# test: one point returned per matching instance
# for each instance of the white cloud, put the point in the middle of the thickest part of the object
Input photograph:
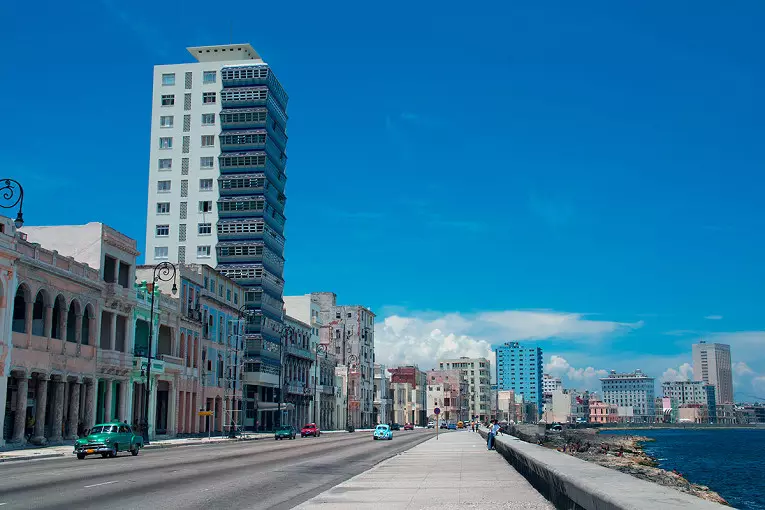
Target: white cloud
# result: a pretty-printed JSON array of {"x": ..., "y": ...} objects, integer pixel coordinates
[
  {"x": 683, "y": 373},
  {"x": 582, "y": 378},
  {"x": 713, "y": 317},
  {"x": 741, "y": 369},
  {"x": 542, "y": 324},
  {"x": 423, "y": 338}
]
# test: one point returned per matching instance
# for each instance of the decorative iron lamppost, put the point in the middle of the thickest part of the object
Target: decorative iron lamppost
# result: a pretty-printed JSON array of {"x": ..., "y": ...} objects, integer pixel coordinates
[
  {"x": 286, "y": 330},
  {"x": 352, "y": 364},
  {"x": 9, "y": 189},
  {"x": 319, "y": 348},
  {"x": 164, "y": 271}
]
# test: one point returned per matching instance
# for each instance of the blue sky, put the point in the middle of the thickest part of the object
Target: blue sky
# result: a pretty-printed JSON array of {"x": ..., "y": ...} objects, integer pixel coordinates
[{"x": 599, "y": 163}]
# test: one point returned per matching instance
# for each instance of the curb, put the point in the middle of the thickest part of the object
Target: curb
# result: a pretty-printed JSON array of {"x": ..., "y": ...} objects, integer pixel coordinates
[
  {"x": 152, "y": 446},
  {"x": 32, "y": 457}
]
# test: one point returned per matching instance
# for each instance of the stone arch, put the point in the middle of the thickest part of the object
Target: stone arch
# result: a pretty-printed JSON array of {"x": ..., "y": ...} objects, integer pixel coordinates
[
  {"x": 74, "y": 311},
  {"x": 59, "y": 315},
  {"x": 42, "y": 300},
  {"x": 87, "y": 316},
  {"x": 20, "y": 300}
]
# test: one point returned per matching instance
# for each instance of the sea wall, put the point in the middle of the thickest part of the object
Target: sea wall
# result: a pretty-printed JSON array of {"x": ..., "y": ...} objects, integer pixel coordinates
[{"x": 574, "y": 484}]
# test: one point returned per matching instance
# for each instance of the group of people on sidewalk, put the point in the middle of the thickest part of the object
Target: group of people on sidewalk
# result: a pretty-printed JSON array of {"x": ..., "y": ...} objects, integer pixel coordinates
[{"x": 494, "y": 429}]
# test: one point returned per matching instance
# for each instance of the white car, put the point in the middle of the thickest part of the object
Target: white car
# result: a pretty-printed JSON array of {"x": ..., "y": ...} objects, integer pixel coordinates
[{"x": 431, "y": 424}]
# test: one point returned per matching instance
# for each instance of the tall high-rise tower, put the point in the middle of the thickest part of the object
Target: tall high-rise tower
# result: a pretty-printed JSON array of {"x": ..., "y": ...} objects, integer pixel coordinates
[
  {"x": 520, "y": 368},
  {"x": 711, "y": 364},
  {"x": 216, "y": 188}
]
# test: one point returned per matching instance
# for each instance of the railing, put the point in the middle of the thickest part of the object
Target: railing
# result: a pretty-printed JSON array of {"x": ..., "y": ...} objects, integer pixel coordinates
[
  {"x": 175, "y": 360},
  {"x": 299, "y": 352}
]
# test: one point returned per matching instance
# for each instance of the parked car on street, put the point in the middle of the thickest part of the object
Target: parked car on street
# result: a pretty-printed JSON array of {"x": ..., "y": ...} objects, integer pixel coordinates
[
  {"x": 382, "y": 432},
  {"x": 310, "y": 429},
  {"x": 395, "y": 426},
  {"x": 408, "y": 426},
  {"x": 431, "y": 424},
  {"x": 444, "y": 425},
  {"x": 460, "y": 424},
  {"x": 108, "y": 439},
  {"x": 285, "y": 432},
  {"x": 452, "y": 426}
]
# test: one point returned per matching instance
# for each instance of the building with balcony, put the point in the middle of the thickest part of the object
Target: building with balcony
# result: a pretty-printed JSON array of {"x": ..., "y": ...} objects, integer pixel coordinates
[
  {"x": 349, "y": 332},
  {"x": 382, "y": 404},
  {"x": 416, "y": 404},
  {"x": 477, "y": 371},
  {"x": 217, "y": 188},
  {"x": 520, "y": 368},
  {"x": 297, "y": 362}
]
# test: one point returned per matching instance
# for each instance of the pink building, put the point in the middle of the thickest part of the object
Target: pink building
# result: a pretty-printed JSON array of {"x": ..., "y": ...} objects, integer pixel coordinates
[
  {"x": 448, "y": 390},
  {"x": 600, "y": 412}
]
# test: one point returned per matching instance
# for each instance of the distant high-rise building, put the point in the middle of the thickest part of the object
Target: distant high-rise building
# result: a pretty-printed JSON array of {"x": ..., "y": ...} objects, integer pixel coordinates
[
  {"x": 633, "y": 390},
  {"x": 477, "y": 371},
  {"x": 520, "y": 368},
  {"x": 711, "y": 364}
]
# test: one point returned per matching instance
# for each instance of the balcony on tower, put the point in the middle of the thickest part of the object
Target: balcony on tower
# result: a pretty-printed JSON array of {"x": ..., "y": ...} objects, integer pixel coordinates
[
  {"x": 253, "y": 274},
  {"x": 232, "y": 252},
  {"x": 256, "y": 74},
  {"x": 253, "y": 139},
  {"x": 241, "y": 207},
  {"x": 257, "y": 298},
  {"x": 242, "y": 229},
  {"x": 255, "y": 118}
]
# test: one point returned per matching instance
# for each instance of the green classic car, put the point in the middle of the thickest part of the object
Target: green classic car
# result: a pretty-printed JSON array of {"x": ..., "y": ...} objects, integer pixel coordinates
[
  {"x": 285, "y": 432},
  {"x": 108, "y": 439}
]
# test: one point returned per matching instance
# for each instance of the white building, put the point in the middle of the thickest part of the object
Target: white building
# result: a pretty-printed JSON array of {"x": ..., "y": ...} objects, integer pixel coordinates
[
  {"x": 685, "y": 392},
  {"x": 711, "y": 364},
  {"x": 477, "y": 371},
  {"x": 550, "y": 384},
  {"x": 382, "y": 403},
  {"x": 634, "y": 390}
]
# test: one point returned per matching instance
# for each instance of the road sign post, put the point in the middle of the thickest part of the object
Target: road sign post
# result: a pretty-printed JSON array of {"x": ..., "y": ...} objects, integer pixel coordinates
[
  {"x": 210, "y": 422},
  {"x": 437, "y": 411}
]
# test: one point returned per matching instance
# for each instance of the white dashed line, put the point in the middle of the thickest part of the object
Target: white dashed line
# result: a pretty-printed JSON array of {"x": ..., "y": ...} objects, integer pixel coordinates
[{"x": 97, "y": 484}]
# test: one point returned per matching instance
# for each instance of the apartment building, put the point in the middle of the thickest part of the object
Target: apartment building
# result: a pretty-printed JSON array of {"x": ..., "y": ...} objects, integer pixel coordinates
[
  {"x": 448, "y": 390},
  {"x": 216, "y": 186},
  {"x": 520, "y": 369},
  {"x": 349, "y": 332},
  {"x": 477, "y": 372}
]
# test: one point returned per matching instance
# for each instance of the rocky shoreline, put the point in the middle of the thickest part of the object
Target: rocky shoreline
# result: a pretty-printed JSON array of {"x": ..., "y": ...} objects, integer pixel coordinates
[{"x": 625, "y": 454}]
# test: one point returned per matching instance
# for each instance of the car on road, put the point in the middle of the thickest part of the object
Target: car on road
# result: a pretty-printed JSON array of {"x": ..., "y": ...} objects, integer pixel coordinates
[
  {"x": 395, "y": 426},
  {"x": 460, "y": 424},
  {"x": 444, "y": 425},
  {"x": 431, "y": 424},
  {"x": 108, "y": 439},
  {"x": 452, "y": 426},
  {"x": 285, "y": 432},
  {"x": 408, "y": 426},
  {"x": 310, "y": 429},
  {"x": 382, "y": 432}
]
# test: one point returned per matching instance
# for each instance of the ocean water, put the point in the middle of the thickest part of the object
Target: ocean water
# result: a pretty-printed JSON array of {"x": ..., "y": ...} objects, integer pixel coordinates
[{"x": 731, "y": 462}]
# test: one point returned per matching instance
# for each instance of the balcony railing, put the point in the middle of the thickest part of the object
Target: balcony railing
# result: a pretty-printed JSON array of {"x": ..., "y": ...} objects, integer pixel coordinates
[{"x": 299, "y": 352}]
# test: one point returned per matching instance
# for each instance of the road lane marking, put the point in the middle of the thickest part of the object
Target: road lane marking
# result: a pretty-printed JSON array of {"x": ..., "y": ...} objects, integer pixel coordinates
[{"x": 97, "y": 484}]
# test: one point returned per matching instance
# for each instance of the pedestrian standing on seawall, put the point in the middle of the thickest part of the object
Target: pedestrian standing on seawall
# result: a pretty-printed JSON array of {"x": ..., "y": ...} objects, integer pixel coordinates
[{"x": 493, "y": 431}]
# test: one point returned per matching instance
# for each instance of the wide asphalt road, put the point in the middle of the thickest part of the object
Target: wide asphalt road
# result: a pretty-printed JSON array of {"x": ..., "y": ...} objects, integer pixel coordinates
[{"x": 246, "y": 474}]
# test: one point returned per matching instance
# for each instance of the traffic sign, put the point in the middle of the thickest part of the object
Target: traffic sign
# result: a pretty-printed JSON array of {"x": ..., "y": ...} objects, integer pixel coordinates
[
  {"x": 437, "y": 411},
  {"x": 205, "y": 413}
]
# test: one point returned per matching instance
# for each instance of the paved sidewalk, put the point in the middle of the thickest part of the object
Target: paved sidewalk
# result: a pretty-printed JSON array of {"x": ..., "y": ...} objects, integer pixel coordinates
[
  {"x": 49, "y": 452},
  {"x": 454, "y": 471}
]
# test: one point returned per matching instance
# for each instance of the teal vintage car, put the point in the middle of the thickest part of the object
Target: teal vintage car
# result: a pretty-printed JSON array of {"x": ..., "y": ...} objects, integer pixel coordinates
[
  {"x": 108, "y": 439},
  {"x": 382, "y": 432}
]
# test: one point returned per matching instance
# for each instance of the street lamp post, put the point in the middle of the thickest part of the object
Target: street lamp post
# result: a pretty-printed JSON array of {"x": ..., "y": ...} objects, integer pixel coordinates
[
  {"x": 351, "y": 362},
  {"x": 9, "y": 190},
  {"x": 164, "y": 271},
  {"x": 243, "y": 312},
  {"x": 286, "y": 330},
  {"x": 319, "y": 348}
]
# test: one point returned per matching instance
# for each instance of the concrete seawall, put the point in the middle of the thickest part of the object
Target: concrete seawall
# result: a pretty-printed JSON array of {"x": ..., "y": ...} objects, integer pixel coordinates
[{"x": 574, "y": 484}]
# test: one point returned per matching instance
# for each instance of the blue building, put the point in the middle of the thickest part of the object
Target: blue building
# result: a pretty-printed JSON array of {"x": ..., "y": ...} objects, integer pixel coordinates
[
  {"x": 250, "y": 247},
  {"x": 520, "y": 369}
]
